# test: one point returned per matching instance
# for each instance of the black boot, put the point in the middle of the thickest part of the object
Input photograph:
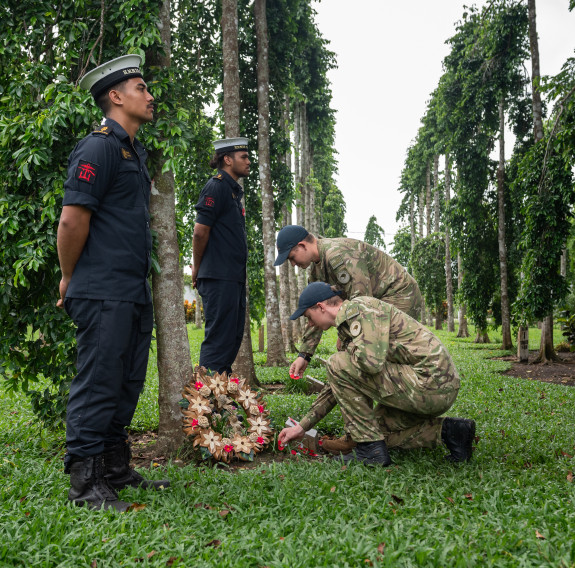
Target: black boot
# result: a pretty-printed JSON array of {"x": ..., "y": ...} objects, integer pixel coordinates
[
  {"x": 369, "y": 453},
  {"x": 89, "y": 487},
  {"x": 458, "y": 434},
  {"x": 120, "y": 474}
]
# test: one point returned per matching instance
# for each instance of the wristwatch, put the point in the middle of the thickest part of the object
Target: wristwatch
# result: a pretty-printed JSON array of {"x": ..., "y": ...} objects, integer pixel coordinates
[{"x": 306, "y": 356}]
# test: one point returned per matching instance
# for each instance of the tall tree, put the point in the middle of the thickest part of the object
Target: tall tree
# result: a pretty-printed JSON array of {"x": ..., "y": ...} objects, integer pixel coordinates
[
  {"x": 275, "y": 350},
  {"x": 374, "y": 233}
]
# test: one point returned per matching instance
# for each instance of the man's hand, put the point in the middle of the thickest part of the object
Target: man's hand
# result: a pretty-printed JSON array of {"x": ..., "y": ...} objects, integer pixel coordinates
[
  {"x": 63, "y": 289},
  {"x": 298, "y": 367},
  {"x": 194, "y": 276},
  {"x": 291, "y": 433}
]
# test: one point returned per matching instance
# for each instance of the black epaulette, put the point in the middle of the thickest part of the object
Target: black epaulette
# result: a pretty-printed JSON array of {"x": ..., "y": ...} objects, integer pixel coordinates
[
  {"x": 102, "y": 130},
  {"x": 218, "y": 176}
]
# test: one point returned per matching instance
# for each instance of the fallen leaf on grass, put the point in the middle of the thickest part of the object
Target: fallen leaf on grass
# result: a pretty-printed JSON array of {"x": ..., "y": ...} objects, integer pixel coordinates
[
  {"x": 215, "y": 543},
  {"x": 173, "y": 559},
  {"x": 397, "y": 499},
  {"x": 570, "y": 477},
  {"x": 565, "y": 454},
  {"x": 224, "y": 513},
  {"x": 136, "y": 507},
  {"x": 451, "y": 500},
  {"x": 539, "y": 535},
  {"x": 202, "y": 506},
  {"x": 343, "y": 467},
  {"x": 150, "y": 554},
  {"x": 368, "y": 562},
  {"x": 381, "y": 547},
  {"x": 93, "y": 564},
  {"x": 469, "y": 496},
  {"x": 332, "y": 490}
]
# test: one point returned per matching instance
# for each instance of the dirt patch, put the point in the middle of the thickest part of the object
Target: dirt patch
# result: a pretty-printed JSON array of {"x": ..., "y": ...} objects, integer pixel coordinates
[{"x": 561, "y": 372}]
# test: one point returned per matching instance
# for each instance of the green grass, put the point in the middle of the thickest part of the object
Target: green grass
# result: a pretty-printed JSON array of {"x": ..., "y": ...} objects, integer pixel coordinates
[{"x": 419, "y": 512}]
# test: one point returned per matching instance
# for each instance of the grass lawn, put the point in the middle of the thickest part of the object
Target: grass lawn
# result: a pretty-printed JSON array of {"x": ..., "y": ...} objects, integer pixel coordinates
[{"x": 513, "y": 505}]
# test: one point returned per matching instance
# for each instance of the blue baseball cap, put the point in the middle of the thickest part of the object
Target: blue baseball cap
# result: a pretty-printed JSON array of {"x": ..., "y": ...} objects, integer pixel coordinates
[
  {"x": 312, "y": 294},
  {"x": 288, "y": 237}
]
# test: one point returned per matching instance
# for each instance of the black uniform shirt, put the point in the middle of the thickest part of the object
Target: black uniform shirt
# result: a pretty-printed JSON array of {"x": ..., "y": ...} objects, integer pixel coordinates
[
  {"x": 220, "y": 207},
  {"x": 107, "y": 174}
]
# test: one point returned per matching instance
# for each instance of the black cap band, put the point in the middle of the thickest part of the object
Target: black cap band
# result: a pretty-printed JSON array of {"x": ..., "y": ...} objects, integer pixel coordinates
[{"x": 114, "y": 78}]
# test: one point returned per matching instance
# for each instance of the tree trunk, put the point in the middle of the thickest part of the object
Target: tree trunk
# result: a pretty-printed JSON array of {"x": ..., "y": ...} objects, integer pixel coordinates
[
  {"x": 275, "y": 351},
  {"x": 463, "y": 330},
  {"x": 244, "y": 363},
  {"x": 436, "y": 193},
  {"x": 546, "y": 350},
  {"x": 482, "y": 337},
  {"x": 448, "y": 275},
  {"x": 173, "y": 347},
  {"x": 507, "y": 343},
  {"x": 439, "y": 316},
  {"x": 428, "y": 199},
  {"x": 412, "y": 222},
  {"x": 261, "y": 339},
  {"x": 420, "y": 207},
  {"x": 563, "y": 266},
  {"x": 285, "y": 294}
]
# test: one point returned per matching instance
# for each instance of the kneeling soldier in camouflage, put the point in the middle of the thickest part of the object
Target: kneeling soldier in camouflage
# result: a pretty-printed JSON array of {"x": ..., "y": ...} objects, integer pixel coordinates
[{"x": 393, "y": 360}]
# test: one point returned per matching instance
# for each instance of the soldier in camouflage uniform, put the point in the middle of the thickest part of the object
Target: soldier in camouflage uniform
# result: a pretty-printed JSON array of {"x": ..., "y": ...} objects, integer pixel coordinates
[
  {"x": 394, "y": 360},
  {"x": 356, "y": 269}
]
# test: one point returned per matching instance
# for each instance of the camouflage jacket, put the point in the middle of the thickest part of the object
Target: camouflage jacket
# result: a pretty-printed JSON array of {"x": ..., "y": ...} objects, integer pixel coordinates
[
  {"x": 359, "y": 269},
  {"x": 376, "y": 334}
]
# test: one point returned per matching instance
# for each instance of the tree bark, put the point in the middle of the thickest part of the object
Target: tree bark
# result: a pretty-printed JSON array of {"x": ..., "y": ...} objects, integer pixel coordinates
[
  {"x": 436, "y": 193},
  {"x": 448, "y": 274},
  {"x": 244, "y": 363},
  {"x": 420, "y": 207},
  {"x": 507, "y": 343},
  {"x": 428, "y": 199},
  {"x": 285, "y": 294},
  {"x": 173, "y": 347},
  {"x": 275, "y": 351},
  {"x": 412, "y": 222},
  {"x": 463, "y": 330}
]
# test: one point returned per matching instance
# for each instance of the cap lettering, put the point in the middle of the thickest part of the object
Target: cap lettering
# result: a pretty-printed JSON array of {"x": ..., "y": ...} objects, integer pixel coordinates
[{"x": 131, "y": 70}]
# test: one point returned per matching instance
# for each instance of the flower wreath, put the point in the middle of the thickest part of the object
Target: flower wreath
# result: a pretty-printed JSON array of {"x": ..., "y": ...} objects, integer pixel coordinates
[{"x": 214, "y": 406}]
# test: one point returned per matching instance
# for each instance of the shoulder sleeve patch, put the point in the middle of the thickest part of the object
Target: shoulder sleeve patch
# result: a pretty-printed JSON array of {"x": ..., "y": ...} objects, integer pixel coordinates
[
  {"x": 86, "y": 171},
  {"x": 102, "y": 130},
  {"x": 336, "y": 261},
  {"x": 218, "y": 176},
  {"x": 355, "y": 328},
  {"x": 351, "y": 311},
  {"x": 126, "y": 154}
]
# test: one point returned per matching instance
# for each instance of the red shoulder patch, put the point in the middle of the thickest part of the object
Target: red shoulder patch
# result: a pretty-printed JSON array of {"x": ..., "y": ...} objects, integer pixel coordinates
[
  {"x": 86, "y": 171},
  {"x": 209, "y": 202}
]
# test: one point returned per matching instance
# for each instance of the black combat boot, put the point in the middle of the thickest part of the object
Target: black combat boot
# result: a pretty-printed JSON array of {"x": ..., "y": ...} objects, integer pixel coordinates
[
  {"x": 369, "y": 453},
  {"x": 89, "y": 486},
  {"x": 120, "y": 474},
  {"x": 458, "y": 434}
]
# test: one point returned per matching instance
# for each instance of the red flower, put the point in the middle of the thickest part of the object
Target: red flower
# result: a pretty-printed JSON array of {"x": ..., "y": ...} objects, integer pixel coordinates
[
  {"x": 228, "y": 448},
  {"x": 199, "y": 385},
  {"x": 261, "y": 441},
  {"x": 194, "y": 422},
  {"x": 235, "y": 380},
  {"x": 260, "y": 408},
  {"x": 294, "y": 453},
  {"x": 280, "y": 447}
]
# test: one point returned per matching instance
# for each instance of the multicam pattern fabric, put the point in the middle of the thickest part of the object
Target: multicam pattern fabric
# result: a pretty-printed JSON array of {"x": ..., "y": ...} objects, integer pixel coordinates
[
  {"x": 359, "y": 269},
  {"x": 391, "y": 359}
]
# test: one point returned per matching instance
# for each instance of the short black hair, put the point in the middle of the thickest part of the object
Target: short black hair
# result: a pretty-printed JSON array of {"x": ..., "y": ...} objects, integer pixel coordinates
[
  {"x": 104, "y": 102},
  {"x": 217, "y": 160}
]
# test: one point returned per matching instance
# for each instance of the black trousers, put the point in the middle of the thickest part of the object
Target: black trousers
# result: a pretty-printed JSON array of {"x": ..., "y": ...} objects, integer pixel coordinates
[
  {"x": 113, "y": 345},
  {"x": 225, "y": 312}
]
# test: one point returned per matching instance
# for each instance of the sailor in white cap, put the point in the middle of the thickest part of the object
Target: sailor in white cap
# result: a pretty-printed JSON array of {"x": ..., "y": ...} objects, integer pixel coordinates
[
  {"x": 220, "y": 255},
  {"x": 104, "y": 247}
]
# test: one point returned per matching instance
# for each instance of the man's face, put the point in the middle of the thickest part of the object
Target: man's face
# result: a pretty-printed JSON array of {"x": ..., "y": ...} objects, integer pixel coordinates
[
  {"x": 240, "y": 164},
  {"x": 318, "y": 317},
  {"x": 300, "y": 256},
  {"x": 137, "y": 101}
]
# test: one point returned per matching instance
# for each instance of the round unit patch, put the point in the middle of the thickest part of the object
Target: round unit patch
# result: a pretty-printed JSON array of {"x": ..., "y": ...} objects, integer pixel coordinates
[
  {"x": 355, "y": 328},
  {"x": 343, "y": 277}
]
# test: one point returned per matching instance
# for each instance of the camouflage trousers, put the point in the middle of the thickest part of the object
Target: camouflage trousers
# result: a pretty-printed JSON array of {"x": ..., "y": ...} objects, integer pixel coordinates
[{"x": 407, "y": 406}]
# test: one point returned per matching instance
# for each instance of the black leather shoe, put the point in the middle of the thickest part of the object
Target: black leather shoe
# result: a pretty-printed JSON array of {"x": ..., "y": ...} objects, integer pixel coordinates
[
  {"x": 120, "y": 474},
  {"x": 369, "y": 453},
  {"x": 89, "y": 486},
  {"x": 458, "y": 434}
]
